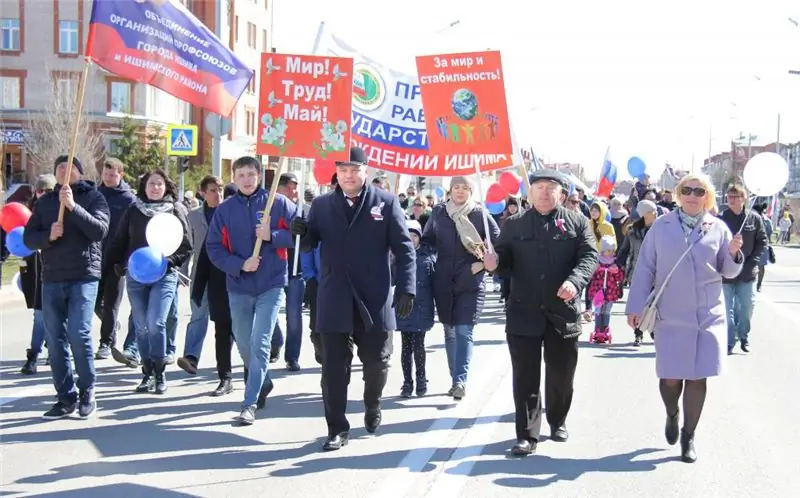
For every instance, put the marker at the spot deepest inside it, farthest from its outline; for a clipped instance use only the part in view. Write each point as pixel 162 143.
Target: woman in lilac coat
pixel 691 331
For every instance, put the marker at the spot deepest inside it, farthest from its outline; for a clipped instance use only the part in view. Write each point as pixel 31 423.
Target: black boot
pixel 147 384
pixel 688 454
pixel 671 428
pixel 161 381
pixel 406 390
pixel 29 368
pixel 422 386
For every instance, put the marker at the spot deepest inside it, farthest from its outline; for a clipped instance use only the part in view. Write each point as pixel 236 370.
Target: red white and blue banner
pixel 161 43
pixel 608 177
pixel 388 121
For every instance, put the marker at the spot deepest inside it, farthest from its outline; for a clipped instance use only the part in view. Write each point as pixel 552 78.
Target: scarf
pixel 689 222
pixel 152 208
pixel 470 238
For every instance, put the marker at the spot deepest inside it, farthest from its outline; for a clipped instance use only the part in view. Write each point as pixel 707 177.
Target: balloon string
pixel 184 276
pixel 752 203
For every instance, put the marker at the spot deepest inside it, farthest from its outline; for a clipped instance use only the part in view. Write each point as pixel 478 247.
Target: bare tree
pixel 51 128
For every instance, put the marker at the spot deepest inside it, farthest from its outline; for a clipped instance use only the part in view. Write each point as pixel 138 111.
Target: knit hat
pixel 75 163
pixel 46 182
pixel 414 226
pixel 462 180
pixel 608 243
pixel 646 207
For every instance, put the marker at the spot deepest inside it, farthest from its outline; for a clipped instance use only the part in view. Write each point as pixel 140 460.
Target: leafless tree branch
pixel 51 130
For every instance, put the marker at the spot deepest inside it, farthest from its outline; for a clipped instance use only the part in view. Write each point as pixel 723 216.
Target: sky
pixel 584 77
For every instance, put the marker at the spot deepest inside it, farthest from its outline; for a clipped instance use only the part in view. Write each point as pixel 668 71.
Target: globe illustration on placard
pixel 465 104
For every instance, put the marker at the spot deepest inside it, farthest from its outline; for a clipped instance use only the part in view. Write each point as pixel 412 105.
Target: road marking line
pixel 457 469
pixel 403 477
pixel 26 393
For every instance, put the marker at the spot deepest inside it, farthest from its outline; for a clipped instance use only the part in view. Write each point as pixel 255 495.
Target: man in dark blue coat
pixel 119 197
pixel 71 268
pixel 359 227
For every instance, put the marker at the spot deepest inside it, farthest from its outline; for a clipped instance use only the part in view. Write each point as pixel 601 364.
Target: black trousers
pixel 311 299
pixel 109 297
pixel 561 358
pixel 374 351
pixel 223 344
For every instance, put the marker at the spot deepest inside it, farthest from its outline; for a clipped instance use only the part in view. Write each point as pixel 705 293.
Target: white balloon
pixel 766 174
pixel 164 233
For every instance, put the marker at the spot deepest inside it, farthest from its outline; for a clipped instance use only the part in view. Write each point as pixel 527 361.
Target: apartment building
pixel 41 58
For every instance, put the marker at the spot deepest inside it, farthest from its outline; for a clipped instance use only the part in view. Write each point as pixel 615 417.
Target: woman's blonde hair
pixel 710 204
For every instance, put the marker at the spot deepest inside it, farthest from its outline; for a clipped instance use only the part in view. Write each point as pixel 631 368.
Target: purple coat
pixel 691 329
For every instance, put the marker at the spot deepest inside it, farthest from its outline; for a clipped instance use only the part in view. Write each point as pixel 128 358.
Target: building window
pixel 10 92
pixel 236 29
pixel 67 37
pixel 9 35
pixel 264 47
pixel 119 97
pixel 250 122
pixel 251 86
pixel 111 143
pixel 251 35
pixel 66 87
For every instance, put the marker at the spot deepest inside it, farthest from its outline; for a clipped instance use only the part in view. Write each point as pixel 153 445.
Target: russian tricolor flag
pixel 608 177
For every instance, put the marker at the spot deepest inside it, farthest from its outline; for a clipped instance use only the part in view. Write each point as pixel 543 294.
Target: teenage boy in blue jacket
pixel 255 284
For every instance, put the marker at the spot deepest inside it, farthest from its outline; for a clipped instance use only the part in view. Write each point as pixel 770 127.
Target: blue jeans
pixel 295 292
pixel 602 316
pixel 38 332
pixel 196 328
pixel 739 302
pixel 253 318
pixel 150 305
pixel 172 323
pixel 458 346
pixel 68 308
pixel 130 339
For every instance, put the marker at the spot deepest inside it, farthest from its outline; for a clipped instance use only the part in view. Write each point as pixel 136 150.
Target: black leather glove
pixel 299 227
pixel 403 304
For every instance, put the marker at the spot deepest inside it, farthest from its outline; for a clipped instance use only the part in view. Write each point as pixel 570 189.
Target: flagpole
pixel 75 128
pixel 265 217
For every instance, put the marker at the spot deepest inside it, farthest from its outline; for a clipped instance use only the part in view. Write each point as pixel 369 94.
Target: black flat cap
pixel 287 178
pixel 549 175
pixel 357 158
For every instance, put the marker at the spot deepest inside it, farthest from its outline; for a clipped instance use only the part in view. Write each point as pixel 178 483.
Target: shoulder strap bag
pixel 647 322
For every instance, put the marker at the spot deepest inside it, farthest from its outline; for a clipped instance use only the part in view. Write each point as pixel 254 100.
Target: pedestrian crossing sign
pixel 182 140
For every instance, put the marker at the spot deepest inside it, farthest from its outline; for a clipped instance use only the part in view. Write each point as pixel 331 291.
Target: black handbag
pixel 771 254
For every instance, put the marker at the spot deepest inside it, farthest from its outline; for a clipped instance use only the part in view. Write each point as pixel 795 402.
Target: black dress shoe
pixel 523 448
pixel 688 454
pixel 672 429
pixel 745 346
pixel 292 366
pixel 559 434
pixel 336 442
pixel 372 420
pixel 225 387
pixel 261 402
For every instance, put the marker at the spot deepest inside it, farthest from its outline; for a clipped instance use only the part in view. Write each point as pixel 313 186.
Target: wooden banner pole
pixel 265 217
pixel 74 145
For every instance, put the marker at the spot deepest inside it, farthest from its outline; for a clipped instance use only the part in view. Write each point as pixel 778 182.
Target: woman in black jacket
pixel 150 303
pixel 30 275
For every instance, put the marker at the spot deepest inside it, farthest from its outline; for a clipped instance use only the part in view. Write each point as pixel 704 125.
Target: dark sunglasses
pixel 574 201
pixel 695 191
pixel 417 204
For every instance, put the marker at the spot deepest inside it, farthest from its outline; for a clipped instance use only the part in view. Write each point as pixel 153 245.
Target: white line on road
pixel 26 393
pixel 399 480
pixel 456 471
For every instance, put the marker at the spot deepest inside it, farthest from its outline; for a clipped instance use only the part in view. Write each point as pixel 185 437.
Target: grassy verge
pixel 10 267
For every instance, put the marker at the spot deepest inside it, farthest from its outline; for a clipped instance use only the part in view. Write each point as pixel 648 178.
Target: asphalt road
pixel 184 443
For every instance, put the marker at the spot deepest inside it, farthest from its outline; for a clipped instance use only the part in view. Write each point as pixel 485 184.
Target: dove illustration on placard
pixel 271 67
pixel 337 73
pixel 272 100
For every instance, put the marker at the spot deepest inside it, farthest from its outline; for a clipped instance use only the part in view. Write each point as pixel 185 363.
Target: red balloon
pixel 510 182
pixel 495 193
pixel 14 215
pixel 323 171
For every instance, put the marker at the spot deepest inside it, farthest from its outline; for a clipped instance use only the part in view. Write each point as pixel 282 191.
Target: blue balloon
pixel 15 244
pixel 523 189
pixel 608 217
pixel 571 189
pixel 147 265
pixel 440 192
pixel 636 167
pixel 496 207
